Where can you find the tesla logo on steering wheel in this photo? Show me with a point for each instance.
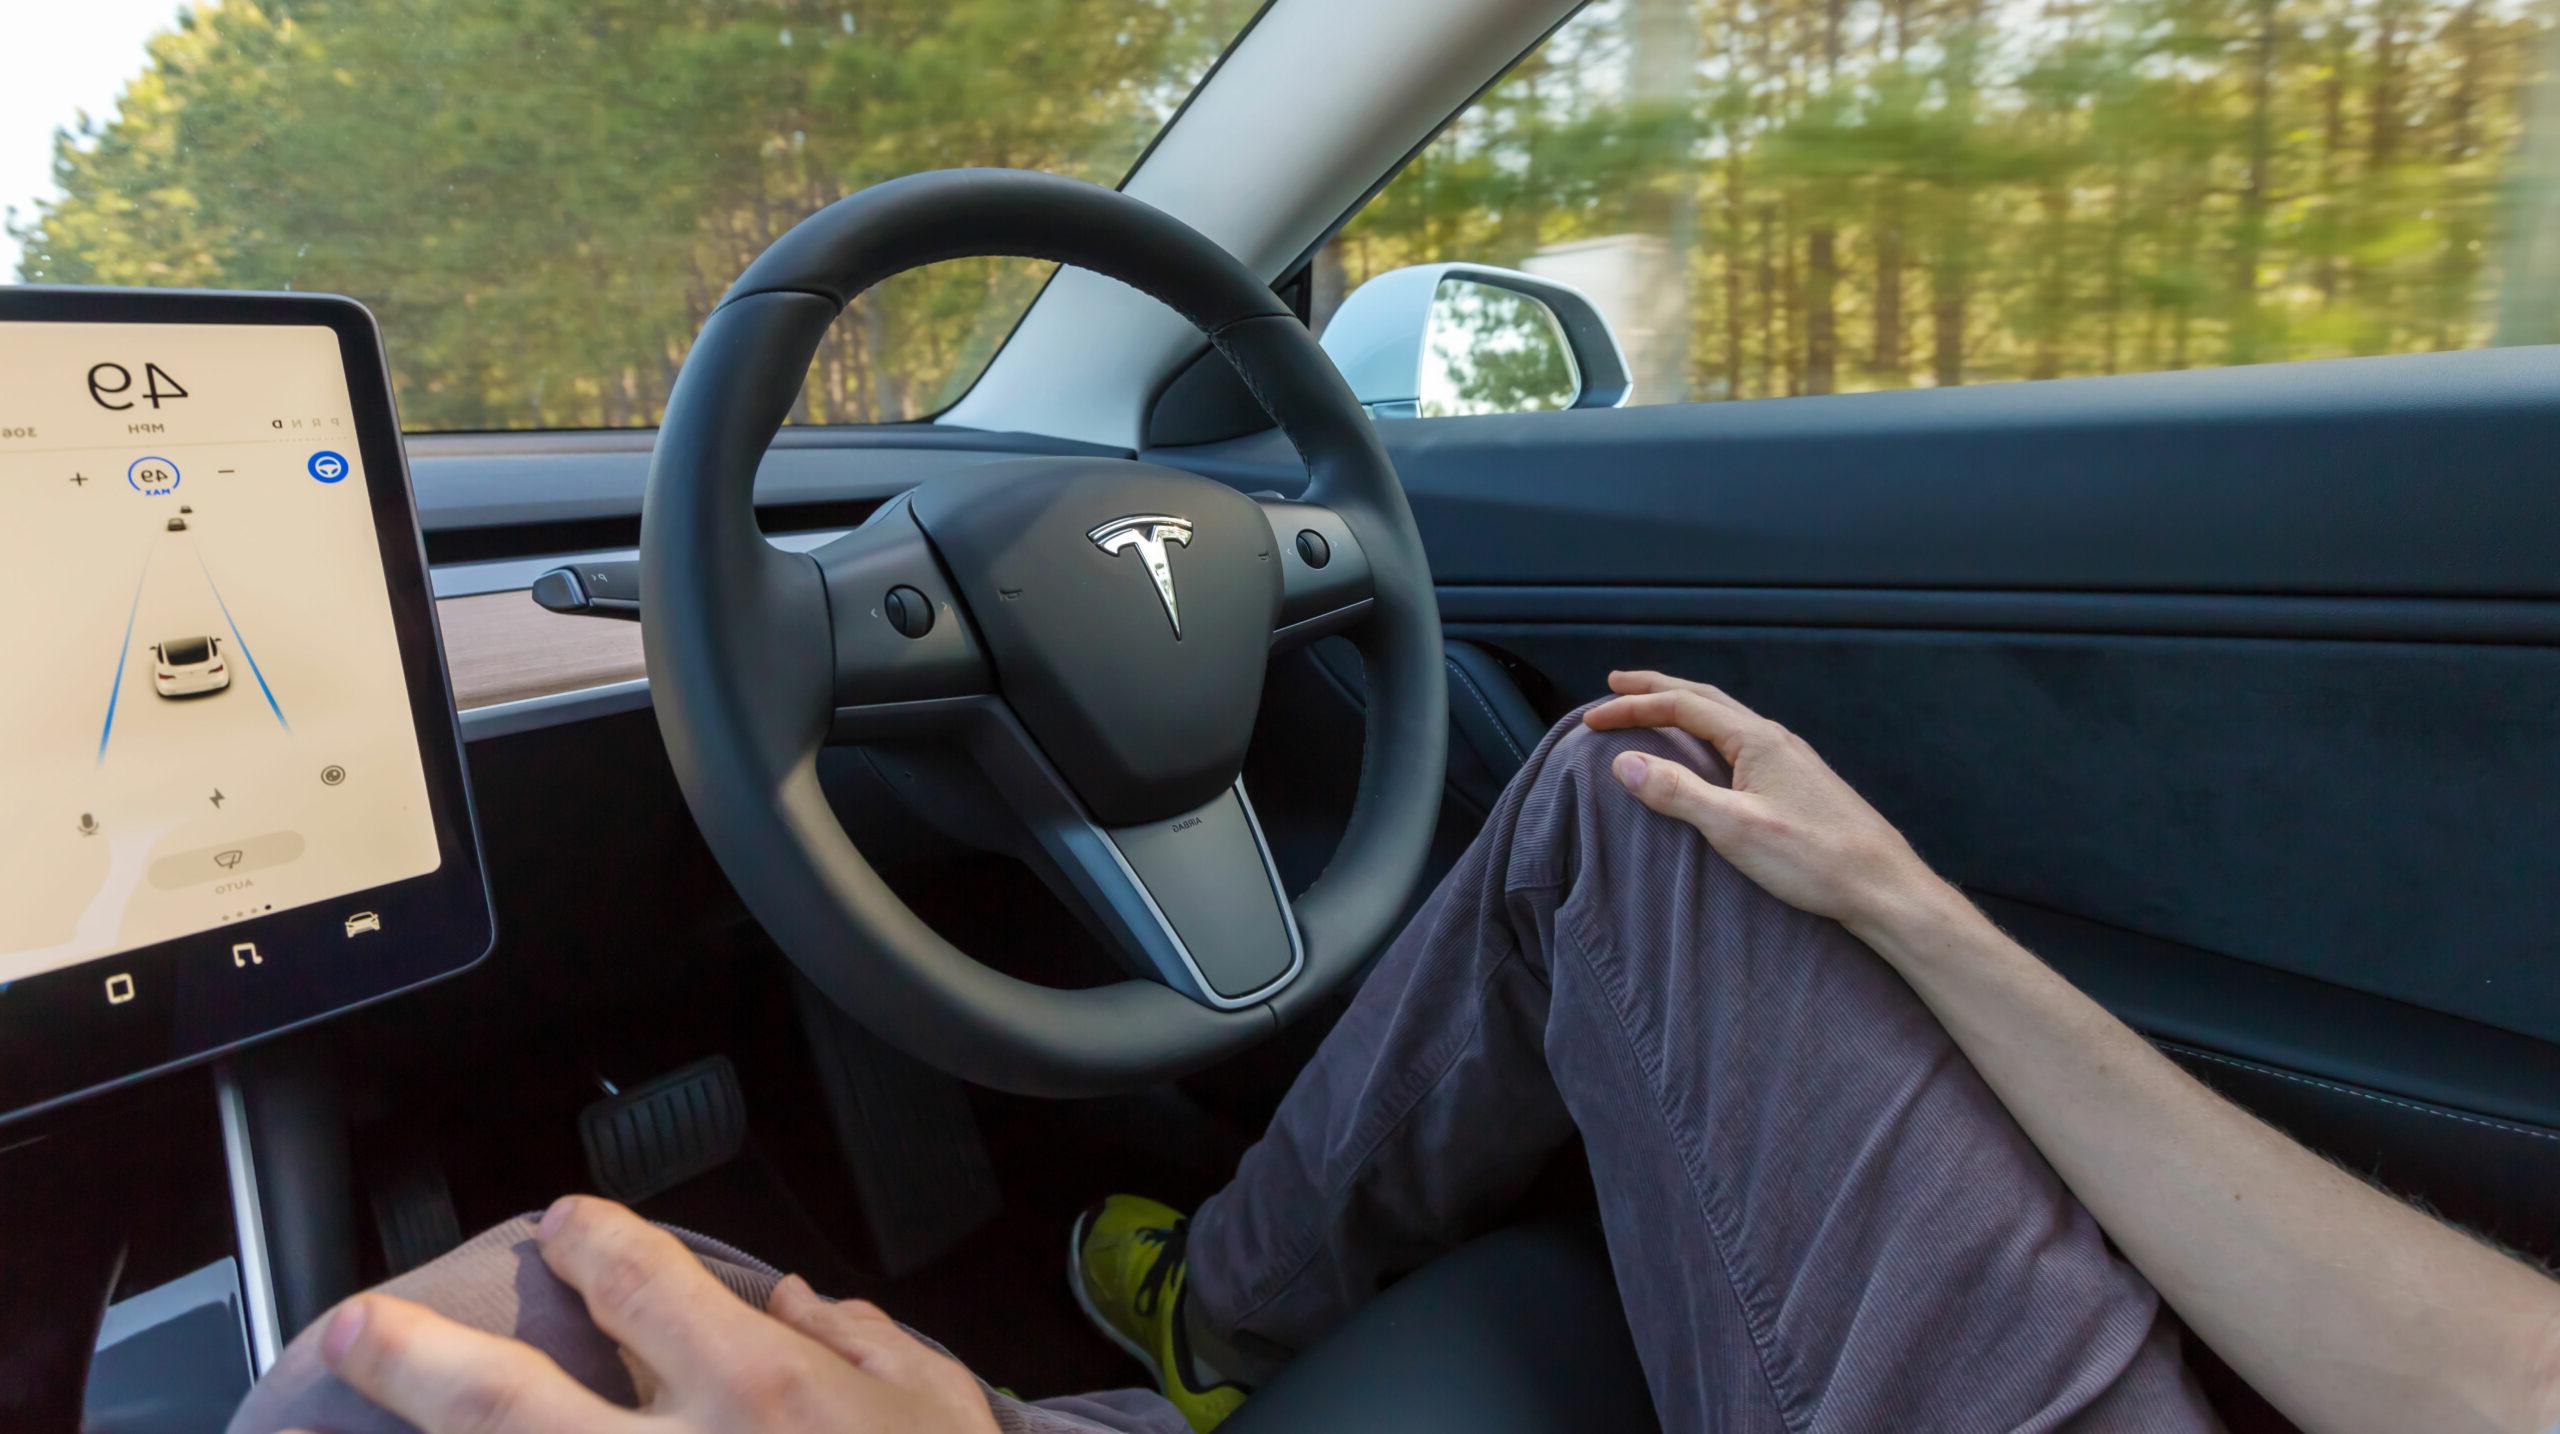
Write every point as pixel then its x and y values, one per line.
pixel 1148 533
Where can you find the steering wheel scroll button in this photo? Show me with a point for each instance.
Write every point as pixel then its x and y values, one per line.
pixel 1329 588
pixel 909 611
pixel 898 634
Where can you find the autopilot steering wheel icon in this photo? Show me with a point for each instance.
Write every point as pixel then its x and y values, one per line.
pixel 328 467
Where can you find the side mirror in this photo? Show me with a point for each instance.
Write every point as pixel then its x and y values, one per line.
pixel 1432 340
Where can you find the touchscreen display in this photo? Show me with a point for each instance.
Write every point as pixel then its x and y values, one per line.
pixel 203 715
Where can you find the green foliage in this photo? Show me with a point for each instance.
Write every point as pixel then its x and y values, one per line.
pixel 1879 193
pixel 543 198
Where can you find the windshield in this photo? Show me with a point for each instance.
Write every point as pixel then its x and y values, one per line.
pixel 186 651
pixel 542 199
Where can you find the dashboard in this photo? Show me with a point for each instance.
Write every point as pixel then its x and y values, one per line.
pixel 502 509
pixel 239 691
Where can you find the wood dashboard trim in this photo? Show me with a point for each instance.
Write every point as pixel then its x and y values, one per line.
pixel 501 647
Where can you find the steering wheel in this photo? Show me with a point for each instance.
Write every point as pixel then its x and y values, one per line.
pixel 1092 632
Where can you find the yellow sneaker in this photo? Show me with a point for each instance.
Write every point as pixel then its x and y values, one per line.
pixel 1126 1264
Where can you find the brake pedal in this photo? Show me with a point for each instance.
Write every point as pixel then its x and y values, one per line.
pixel 663 1132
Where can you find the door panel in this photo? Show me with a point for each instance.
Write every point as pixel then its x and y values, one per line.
pixel 2491 1176
pixel 2367 813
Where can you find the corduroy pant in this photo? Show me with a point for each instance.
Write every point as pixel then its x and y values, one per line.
pixel 1819 1216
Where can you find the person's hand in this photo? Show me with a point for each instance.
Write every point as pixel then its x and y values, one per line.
pixel 718 1364
pixel 1788 822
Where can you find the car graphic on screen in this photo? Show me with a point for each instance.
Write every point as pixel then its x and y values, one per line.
pixel 177 525
pixel 188 667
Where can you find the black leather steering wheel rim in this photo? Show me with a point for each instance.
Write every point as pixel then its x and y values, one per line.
pixel 744 681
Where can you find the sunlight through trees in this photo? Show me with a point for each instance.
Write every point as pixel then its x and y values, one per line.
pixel 543 198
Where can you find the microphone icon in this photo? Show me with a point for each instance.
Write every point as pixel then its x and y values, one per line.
pixel 88 824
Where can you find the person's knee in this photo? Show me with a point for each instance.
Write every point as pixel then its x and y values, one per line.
pixel 1567 817
pixel 1575 759
pixel 1650 889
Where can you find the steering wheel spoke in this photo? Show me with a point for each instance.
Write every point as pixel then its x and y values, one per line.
pixel 904 655
pixel 1325 582
pixel 1199 899
pixel 1193 901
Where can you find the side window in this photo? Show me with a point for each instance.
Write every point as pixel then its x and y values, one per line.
pixel 1765 198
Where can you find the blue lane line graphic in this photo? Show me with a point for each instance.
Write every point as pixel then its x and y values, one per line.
pixel 242 643
pixel 122 652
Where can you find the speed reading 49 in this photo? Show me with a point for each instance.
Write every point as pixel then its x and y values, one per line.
pixel 107 381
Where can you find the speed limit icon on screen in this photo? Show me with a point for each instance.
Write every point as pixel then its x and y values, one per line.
pixel 153 476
